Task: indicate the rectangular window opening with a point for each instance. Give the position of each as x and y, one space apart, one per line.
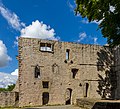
46 47
45 84
49 47
42 47
67 54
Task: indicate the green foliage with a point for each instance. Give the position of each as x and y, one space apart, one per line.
9 88
99 10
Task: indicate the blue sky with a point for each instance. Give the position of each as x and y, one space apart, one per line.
51 19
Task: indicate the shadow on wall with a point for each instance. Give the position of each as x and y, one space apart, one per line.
105 59
108 83
106 105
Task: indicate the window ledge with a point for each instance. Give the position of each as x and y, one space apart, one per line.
47 51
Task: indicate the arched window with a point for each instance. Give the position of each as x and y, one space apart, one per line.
55 68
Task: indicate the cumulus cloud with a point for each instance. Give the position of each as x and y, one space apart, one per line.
7 79
38 30
15 72
35 30
82 36
11 17
4 58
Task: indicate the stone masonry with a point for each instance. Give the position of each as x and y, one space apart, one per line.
8 99
53 72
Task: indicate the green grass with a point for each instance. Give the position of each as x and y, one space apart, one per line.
8 108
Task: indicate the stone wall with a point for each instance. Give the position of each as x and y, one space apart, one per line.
117 70
71 71
86 103
8 99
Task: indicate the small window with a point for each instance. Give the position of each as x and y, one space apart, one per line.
46 47
74 73
67 54
86 89
55 68
45 84
37 71
42 47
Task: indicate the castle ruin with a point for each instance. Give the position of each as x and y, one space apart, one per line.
54 72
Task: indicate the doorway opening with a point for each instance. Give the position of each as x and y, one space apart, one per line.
45 98
68 96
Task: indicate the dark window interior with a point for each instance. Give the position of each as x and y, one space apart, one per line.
86 89
45 84
74 72
37 71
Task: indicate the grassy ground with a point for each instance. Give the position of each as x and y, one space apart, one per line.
8 108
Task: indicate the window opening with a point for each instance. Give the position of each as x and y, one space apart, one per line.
86 89
37 71
55 68
74 73
45 84
67 54
42 47
46 47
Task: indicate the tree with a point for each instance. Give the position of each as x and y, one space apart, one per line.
105 11
9 88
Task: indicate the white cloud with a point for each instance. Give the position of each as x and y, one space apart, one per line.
12 18
71 6
7 79
96 22
38 30
15 72
82 36
95 40
85 21
35 30
16 42
87 39
4 58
